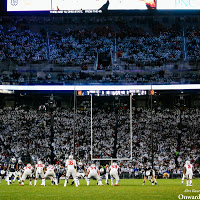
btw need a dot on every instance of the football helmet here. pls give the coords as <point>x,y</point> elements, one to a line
<point>13,160</point>
<point>187,162</point>
<point>40,162</point>
<point>2,172</point>
<point>93,165</point>
<point>101,170</point>
<point>70,157</point>
<point>19,161</point>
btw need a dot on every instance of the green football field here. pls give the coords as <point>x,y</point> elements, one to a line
<point>128,189</point>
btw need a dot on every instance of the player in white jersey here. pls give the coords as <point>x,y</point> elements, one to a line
<point>51,172</point>
<point>94,172</point>
<point>188,172</point>
<point>114,173</point>
<point>71,170</point>
<point>40,170</point>
<point>80,173</point>
<point>27,172</point>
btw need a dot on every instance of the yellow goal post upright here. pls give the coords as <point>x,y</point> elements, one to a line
<point>131,136</point>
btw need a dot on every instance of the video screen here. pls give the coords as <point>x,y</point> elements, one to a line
<point>103,4</point>
<point>80,5</point>
<point>28,5</point>
<point>178,4</point>
<point>48,5</point>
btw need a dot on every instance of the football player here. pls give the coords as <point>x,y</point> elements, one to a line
<point>150,174</point>
<point>27,172</point>
<point>114,173</point>
<point>107,173</point>
<point>188,172</point>
<point>80,172</point>
<point>51,172</point>
<point>18,174</point>
<point>2,172</point>
<point>71,170</point>
<point>102,171</point>
<point>12,169</point>
<point>183,176</point>
<point>61,171</point>
<point>93,172</point>
<point>40,170</point>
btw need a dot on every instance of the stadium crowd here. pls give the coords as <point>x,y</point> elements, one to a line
<point>137,54</point>
<point>79,46</point>
<point>27,133</point>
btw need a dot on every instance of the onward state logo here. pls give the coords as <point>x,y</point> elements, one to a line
<point>14,2</point>
<point>181,196</point>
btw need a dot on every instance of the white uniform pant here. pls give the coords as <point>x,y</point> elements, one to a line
<point>50,173</point>
<point>71,172</point>
<point>39,174</point>
<point>96,176</point>
<point>18,174</point>
<point>11,174</point>
<point>107,177</point>
<point>25,174</point>
<point>114,175</point>
<point>189,175</point>
<point>80,175</point>
<point>183,177</point>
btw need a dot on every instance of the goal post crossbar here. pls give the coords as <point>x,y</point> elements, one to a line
<point>96,159</point>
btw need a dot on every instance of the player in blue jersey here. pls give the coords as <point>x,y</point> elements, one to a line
<point>18,174</point>
<point>12,169</point>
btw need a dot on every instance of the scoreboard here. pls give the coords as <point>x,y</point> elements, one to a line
<point>52,5</point>
<point>84,5</point>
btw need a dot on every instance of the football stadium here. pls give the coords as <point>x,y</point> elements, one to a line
<point>100,99</point>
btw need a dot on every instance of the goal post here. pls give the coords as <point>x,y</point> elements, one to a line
<point>91,130</point>
<point>130,141</point>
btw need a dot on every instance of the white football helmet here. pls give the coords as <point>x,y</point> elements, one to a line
<point>114,163</point>
<point>20,161</point>
<point>28,165</point>
<point>80,163</point>
<point>40,162</point>
<point>70,157</point>
<point>187,162</point>
<point>101,170</point>
<point>13,160</point>
<point>2,172</point>
<point>93,165</point>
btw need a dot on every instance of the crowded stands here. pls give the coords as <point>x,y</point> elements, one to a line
<point>25,133</point>
<point>97,51</point>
